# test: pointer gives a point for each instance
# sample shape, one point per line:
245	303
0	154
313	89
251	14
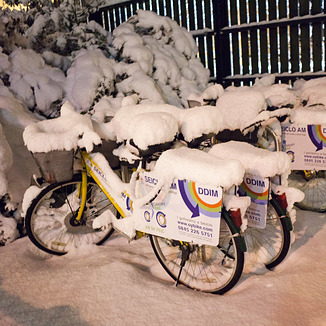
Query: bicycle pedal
139	234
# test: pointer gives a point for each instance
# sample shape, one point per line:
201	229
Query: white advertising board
306	145
257	188
188	211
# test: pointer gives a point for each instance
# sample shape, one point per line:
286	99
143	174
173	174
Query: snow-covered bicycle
269	224
304	142
288	103
178	204
247	119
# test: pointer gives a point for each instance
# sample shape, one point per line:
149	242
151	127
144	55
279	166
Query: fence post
222	46
96	16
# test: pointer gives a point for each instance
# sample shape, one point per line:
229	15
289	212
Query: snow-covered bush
159	48
12	30
151	56
38	85
17	165
8	230
90	77
65	30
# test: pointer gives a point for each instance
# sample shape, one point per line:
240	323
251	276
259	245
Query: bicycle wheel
314	189
49	219
271	244
208	269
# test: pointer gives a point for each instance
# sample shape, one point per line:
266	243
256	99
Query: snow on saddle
255	160
199	166
152	126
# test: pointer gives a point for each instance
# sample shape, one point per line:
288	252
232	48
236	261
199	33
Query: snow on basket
52	142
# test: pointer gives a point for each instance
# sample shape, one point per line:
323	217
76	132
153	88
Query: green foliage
30	4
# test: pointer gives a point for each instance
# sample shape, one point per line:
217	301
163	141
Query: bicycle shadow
13	310
306	226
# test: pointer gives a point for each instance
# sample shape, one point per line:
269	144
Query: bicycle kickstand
185	252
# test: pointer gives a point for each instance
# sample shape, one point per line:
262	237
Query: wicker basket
55	166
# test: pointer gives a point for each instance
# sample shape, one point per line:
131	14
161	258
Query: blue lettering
289	128
151	180
254	182
215	193
99	172
207	192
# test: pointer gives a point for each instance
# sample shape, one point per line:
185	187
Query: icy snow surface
122	283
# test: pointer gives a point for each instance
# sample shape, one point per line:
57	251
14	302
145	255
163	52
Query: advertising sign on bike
197	207
306	145
257	189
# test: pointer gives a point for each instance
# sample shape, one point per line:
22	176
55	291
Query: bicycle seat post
125	173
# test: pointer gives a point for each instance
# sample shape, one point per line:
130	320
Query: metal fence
240	40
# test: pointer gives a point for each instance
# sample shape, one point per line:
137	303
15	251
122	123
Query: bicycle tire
271	244
48	220
209	269
314	190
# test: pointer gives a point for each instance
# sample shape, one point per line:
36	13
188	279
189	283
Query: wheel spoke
48	219
268	246
204	270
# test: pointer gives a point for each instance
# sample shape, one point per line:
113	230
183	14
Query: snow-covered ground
122	283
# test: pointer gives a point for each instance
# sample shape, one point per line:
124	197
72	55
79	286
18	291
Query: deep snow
122	283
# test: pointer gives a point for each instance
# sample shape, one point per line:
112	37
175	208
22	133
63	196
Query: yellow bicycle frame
83	191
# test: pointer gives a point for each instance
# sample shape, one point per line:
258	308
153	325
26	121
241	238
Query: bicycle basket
55	166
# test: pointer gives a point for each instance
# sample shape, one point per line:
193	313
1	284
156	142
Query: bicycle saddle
255	160
199	166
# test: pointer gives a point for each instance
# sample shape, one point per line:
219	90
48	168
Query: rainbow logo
161	220
316	136
129	204
259	198
147	216
291	155
200	200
